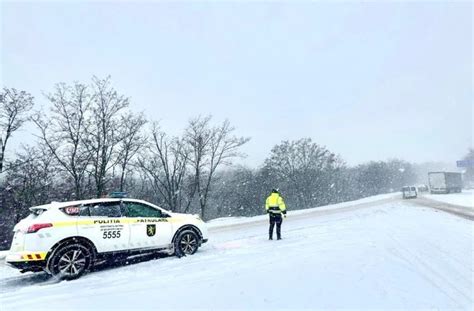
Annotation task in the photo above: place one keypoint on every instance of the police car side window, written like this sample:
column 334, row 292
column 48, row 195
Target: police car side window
column 84, row 211
column 141, row 210
column 108, row 209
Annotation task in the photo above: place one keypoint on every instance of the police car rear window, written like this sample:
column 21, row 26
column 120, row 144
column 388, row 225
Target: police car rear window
column 71, row 210
column 109, row 209
column 76, row 210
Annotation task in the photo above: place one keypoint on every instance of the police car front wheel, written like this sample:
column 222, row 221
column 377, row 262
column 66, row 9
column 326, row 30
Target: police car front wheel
column 187, row 243
column 70, row 262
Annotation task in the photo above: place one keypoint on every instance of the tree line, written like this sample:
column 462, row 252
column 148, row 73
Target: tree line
column 90, row 143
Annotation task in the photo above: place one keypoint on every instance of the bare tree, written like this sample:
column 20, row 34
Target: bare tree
column 290, row 158
column 303, row 168
column 14, row 111
column 132, row 140
column 32, row 175
column 210, row 148
column 197, row 136
column 31, row 181
column 103, row 130
column 166, row 167
column 65, row 131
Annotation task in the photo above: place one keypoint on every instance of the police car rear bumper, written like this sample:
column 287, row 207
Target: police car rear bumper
column 26, row 260
column 26, row 266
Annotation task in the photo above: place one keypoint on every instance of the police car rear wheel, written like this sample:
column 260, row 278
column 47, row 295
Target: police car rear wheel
column 70, row 261
column 187, row 243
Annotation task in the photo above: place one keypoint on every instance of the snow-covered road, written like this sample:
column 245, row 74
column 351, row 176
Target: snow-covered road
column 382, row 254
column 463, row 199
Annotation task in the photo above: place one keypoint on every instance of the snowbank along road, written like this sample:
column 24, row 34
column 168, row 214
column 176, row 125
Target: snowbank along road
column 461, row 204
column 380, row 252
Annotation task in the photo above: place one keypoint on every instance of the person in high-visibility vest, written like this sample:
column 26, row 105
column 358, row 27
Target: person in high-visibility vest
column 275, row 207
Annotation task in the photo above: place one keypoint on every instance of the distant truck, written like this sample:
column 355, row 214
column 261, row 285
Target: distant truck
column 445, row 182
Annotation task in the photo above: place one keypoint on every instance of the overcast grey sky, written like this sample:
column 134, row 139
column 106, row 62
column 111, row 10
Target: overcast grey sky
column 370, row 81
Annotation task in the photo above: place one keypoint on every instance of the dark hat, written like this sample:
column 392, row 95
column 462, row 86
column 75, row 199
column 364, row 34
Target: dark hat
column 275, row 190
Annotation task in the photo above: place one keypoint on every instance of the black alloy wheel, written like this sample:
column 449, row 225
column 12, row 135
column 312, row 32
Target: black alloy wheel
column 70, row 262
column 187, row 243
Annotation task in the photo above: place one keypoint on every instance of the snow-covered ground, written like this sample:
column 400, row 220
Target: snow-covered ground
column 465, row 198
column 227, row 221
column 385, row 254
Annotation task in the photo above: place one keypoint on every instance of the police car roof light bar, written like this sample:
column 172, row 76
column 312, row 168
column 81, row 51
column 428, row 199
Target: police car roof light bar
column 118, row 194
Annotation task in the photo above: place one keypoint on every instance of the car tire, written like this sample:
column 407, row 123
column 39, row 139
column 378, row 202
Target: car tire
column 70, row 261
column 186, row 243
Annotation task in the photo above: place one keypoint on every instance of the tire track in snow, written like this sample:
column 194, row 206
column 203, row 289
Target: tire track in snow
column 457, row 210
column 428, row 271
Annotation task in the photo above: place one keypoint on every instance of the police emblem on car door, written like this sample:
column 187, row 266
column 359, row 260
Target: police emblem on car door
column 150, row 230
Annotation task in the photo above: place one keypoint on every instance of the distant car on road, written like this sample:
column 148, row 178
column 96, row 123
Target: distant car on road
column 422, row 188
column 65, row 239
column 409, row 192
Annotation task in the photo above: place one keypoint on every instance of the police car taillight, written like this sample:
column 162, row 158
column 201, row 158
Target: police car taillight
column 36, row 227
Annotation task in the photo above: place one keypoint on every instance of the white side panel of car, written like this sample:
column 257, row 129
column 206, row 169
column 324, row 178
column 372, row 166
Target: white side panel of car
column 107, row 233
column 63, row 228
column 164, row 233
column 150, row 233
column 150, row 226
column 46, row 238
column 104, row 225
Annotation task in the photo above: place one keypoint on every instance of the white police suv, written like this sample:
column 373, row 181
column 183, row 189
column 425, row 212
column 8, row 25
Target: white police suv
column 65, row 239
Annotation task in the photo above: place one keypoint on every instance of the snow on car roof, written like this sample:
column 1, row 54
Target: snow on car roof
column 82, row 202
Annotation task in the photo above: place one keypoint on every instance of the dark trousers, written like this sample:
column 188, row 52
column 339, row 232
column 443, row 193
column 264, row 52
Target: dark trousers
column 275, row 219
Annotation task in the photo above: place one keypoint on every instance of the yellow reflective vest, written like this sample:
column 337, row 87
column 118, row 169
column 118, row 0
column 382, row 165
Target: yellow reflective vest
column 275, row 204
